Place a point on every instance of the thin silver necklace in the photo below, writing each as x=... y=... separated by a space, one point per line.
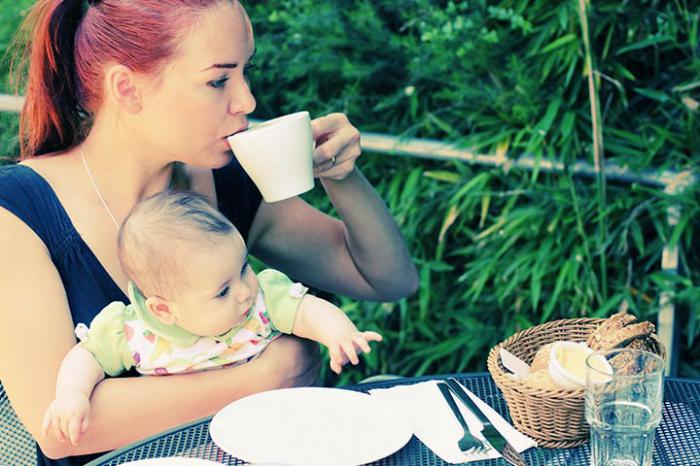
x=97 y=190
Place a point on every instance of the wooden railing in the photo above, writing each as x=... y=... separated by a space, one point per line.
x=673 y=182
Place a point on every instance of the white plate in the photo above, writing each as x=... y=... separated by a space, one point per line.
x=310 y=426
x=172 y=462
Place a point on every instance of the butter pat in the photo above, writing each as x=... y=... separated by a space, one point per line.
x=567 y=365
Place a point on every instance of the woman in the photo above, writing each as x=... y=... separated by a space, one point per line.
x=118 y=92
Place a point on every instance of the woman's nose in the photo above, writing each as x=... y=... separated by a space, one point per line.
x=242 y=100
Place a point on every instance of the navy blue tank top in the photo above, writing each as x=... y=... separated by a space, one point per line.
x=88 y=286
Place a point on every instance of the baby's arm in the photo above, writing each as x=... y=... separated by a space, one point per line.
x=68 y=412
x=321 y=321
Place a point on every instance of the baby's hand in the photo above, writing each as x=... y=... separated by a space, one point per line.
x=344 y=348
x=67 y=415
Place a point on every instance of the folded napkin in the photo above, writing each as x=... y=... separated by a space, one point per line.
x=436 y=426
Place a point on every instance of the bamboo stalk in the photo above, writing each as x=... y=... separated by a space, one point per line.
x=597 y=133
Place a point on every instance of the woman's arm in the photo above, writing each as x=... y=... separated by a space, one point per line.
x=364 y=255
x=36 y=331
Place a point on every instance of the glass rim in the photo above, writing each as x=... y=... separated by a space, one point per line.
x=659 y=360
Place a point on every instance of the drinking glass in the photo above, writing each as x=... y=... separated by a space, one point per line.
x=623 y=405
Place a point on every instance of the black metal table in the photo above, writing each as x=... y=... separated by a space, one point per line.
x=677 y=441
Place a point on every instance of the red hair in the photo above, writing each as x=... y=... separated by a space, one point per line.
x=69 y=43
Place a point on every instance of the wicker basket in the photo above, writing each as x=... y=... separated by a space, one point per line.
x=553 y=417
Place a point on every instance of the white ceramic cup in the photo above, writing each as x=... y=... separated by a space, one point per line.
x=278 y=155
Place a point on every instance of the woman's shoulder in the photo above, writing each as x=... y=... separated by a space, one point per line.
x=15 y=178
x=27 y=195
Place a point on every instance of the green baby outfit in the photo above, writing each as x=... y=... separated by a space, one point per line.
x=124 y=336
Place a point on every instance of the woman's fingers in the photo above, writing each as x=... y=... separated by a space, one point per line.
x=337 y=146
x=328 y=124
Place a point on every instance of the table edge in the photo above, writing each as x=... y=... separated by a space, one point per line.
x=359 y=386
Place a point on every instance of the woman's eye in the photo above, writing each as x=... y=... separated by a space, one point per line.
x=218 y=83
x=223 y=293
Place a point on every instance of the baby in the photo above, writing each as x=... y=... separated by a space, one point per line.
x=195 y=305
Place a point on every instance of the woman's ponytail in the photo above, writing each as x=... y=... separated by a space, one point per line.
x=51 y=118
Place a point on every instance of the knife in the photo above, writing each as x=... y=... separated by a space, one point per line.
x=492 y=435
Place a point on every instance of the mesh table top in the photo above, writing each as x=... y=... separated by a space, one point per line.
x=677 y=441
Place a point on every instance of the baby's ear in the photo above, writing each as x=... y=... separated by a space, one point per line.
x=160 y=308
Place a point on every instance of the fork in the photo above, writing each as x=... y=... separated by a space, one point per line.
x=468 y=443
x=493 y=438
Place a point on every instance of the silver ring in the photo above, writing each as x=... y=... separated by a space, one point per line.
x=333 y=161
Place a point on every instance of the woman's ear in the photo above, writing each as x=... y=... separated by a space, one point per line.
x=160 y=308
x=123 y=88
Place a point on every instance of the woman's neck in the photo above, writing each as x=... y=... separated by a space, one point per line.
x=125 y=171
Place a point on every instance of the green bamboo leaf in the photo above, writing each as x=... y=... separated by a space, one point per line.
x=623 y=72
x=678 y=230
x=568 y=268
x=442 y=175
x=424 y=293
x=659 y=96
x=560 y=42
x=546 y=122
x=638 y=237
x=567 y=123
x=442 y=124
x=485 y=202
x=644 y=43
x=686 y=86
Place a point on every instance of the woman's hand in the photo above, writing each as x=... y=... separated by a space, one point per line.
x=337 y=146
x=291 y=362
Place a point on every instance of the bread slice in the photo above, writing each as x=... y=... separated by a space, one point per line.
x=622 y=337
x=609 y=326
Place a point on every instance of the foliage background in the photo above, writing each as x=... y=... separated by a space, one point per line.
x=497 y=250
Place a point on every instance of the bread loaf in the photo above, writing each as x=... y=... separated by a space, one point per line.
x=541 y=359
x=540 y=379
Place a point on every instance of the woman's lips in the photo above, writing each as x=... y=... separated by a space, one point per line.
x=242 y=128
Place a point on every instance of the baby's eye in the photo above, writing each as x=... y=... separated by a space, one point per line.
x=244 y=269
x=223 y=293
x=218 y=83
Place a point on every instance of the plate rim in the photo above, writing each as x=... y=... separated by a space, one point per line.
x=168 y=460
x=405 y=424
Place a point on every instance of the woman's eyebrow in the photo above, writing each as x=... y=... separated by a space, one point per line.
x=221 y=65
x=228 y=65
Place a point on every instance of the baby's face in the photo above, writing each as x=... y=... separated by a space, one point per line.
x=222 y=288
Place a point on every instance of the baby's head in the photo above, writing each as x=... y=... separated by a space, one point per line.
x=188 y=261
